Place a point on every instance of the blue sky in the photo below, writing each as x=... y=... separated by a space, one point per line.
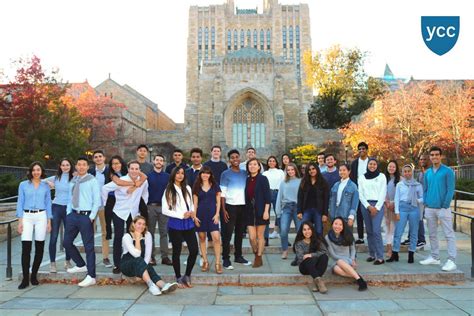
x=143 y=43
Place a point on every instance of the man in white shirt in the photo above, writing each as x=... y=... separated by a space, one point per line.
x=127 y=202
x=250 y=154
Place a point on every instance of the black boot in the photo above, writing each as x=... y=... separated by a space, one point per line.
x=362 y=284
x=393 y=257
x=39 y=250
x=25 y=264
x=266 y=242
x=410 y=257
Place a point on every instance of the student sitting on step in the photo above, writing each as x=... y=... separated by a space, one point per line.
x=342 y=250
x=136 y=257
x=311 y=255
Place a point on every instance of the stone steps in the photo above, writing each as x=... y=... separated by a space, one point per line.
x=268 y=279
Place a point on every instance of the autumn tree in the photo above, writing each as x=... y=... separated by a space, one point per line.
x=35 y=124
x=343 y=89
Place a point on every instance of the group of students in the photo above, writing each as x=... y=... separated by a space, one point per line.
x=203 y=201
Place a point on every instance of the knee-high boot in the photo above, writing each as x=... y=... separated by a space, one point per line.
x=39 y=250
x=25 y=263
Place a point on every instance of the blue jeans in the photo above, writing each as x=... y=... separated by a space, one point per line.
x=373 y=227
x=411 y=214
x=288 y=213
x=76 y=224
x=274 y=199
x=315 y=217
x=59 y=215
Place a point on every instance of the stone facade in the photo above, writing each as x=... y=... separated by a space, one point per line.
x=245 y=79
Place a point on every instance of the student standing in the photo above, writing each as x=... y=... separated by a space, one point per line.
x=33 y=211
x=62 y=185
x=99 y=170
x=142 y=158
x=127 y=206
x=207 y=201
x=344 y=198
x=408 y=197
x=177 y=204
x=257 y=201
x=177 y=161
x=193 y=171
x=313 y=198
x=358 y=170
x=311 y=255
x=232 y=184
x=331 y=175
x=322 y=162
x=372 y=192
x=438 y=193
x=82 y=210
x=250 y=154
x=286 y=205
x=342 y=250
x=285 y=160
x=275 y=176
x=157 y=182
x=216 y=164
x=393 y=178
x=137 y=246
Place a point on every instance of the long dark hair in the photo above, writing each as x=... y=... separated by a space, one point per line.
x=29 y=174
x=111 y=172
x=198 y=183
x=59 y=172
x=346 y=233
x=171 y=192
x=316 y=241
x=306 y=181
x=283 y=166
x=396 y=174
x=276 y=160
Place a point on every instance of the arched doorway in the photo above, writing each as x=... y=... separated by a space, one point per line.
x=248 y=124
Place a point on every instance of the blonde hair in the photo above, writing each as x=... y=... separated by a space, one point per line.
x=131 y=229
x=297 y=172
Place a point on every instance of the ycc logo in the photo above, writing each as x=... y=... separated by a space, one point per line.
x=440 y=33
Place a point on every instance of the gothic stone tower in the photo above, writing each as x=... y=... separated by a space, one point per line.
x=245 y=76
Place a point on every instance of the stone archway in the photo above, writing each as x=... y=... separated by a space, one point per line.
x=248 y=120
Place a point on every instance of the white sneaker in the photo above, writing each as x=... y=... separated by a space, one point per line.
x=449 y=266
x=169 y=287
x=88 y=281
x=154 y=290
x=77 y=269
x=274 y=235
x=430 y=260
x=201 y=262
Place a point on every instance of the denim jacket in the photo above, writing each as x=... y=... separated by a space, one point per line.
x=349 y=201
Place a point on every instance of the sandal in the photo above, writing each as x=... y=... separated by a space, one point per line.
x=205 y=266
x=219 y=268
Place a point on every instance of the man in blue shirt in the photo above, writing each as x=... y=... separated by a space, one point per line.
x=177 y=161
x=438 y=191
x=193 y=171
x=216 y=164
x=81 y=212
x=232 y=184
x=157 y=182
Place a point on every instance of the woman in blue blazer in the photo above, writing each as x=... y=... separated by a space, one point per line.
x=344 y=197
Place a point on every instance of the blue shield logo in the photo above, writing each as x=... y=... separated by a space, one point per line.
x=440 y=33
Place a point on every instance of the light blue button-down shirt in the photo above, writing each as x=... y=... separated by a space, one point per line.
x=89 y=198
x=401 y=194
x=62 y=189
x=31 y=198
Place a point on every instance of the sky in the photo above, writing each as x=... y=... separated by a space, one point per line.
x=142 y=43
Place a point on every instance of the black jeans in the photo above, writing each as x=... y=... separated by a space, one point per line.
x=189 y=236
x=314 y=266
x=236 y=222
x=119 y=231
x=109 y=215
x=360 y=222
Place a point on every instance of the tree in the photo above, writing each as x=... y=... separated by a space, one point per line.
x=35 y=124
x=343 y=89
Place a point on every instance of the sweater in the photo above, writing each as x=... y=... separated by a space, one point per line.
x=438 y=187
x=217 y=167
x=302 y=248
x=288 y=193
x=337 y=252
x=373 y=190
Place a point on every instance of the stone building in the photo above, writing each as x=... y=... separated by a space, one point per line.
x=245 y=80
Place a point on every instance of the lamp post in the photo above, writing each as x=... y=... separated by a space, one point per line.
x=346 y=149
x=151 y=152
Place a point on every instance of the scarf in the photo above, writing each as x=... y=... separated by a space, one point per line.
x=411 y=184
x=76 y=188
x=336 y=240
x=372 y=174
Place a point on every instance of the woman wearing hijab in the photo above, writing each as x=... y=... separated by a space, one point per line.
x=372 y=192
x=408 y=195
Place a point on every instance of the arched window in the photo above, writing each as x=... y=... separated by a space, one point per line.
x=242 y=38
x=262 y=39
x=235 y=40
x=291 y=36
x=213 y=42
x=248 y=125
x=284 y=37
x=255 y=41
x=199 y=45
x=249 y=38
x=269 y=37
x=229 y=40
x=297 y=31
